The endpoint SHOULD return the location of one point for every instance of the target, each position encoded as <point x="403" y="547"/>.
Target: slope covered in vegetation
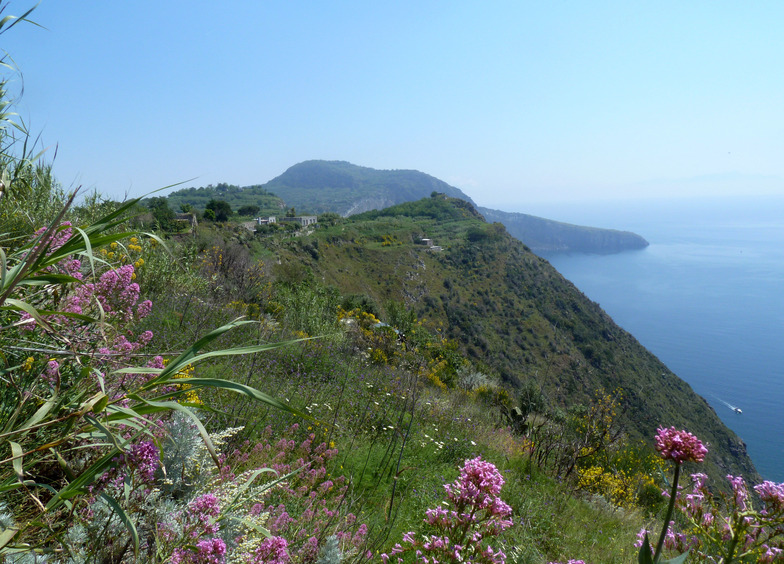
<point x="337" y="446"/>
<point x="346" y="189"/>
<point x="509" y="312"/>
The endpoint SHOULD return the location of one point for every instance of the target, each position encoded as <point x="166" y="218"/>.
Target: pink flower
<point x="772" y="554"/>
<point x="679" y="446"/>
<point x="205" y="508"/>
<point x="208" y="551"/>
<point x="739" y="491"/>
<point x="145" y="457"/>
<point x="273" y="550"/>
<point x="772" y="494"/>
<point x="52" y="372"/>
<point x="477" y="513"/>
<point x="56" y="239"/>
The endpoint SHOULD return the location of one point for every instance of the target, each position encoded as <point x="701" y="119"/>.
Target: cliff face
<point x="546" y="236"/>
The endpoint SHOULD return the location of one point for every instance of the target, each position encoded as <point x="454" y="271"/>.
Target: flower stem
<point x="670" y="508"/>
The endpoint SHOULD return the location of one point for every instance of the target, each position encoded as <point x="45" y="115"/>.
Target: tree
<point x="220" y="208"/>
<point x="161" y="212"/>
<point x="249" y="209"/>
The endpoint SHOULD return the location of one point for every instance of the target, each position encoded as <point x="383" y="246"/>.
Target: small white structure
<point x="265" y="220"/>
<point x="430" y="246"/>
<point x="303" y="220"/>
<point x="190" y="218"/>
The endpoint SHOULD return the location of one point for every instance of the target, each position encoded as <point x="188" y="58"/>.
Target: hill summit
<point x="344" y="188"/>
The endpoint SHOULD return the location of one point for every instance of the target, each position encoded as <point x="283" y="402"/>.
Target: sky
<point x="512" y="102"/>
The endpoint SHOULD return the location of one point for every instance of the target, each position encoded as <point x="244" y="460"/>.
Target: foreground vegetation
<point x="101" y="458"/>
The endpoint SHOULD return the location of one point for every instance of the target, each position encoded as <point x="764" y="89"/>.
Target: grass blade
<point x="17" y="453"/>
<point x="252" y="393"/>
<point x="125" y="519"/>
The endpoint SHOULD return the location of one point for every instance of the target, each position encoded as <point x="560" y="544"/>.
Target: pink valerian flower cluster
<point x="115" y="298"/>
<point x="570" y="562"/>
<point x="724" y="523"/>
<point x="191" y="533"/>
<point x="740" y="493"/>
<point x="674" y="541"/>
<point x="304" y="509"/>
<point x="140" y="462"/>
<point x="145" y="458"/>
<point x="477" y="513"/>
<point x="69" y="265"/>
<point x="118" y="293"/>
<point x="54" y="240"/>
<point x="679" y="446"/>
<point x="206" y="551"/>
<point x="772" y="495"/>
<point x="273" y="550"/>
<point x="204" y="510"/>
<point x="52" y="372"/>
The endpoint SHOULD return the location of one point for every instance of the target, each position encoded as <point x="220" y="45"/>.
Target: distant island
<point x="318" y="186"/>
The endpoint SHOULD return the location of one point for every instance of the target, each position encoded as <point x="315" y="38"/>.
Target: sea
<point x="706" y="297"/>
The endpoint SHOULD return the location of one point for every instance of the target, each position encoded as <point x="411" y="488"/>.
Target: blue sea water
<point x="706" y="297"/>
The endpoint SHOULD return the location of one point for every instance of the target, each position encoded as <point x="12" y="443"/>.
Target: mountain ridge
<point x="320" y="186"/>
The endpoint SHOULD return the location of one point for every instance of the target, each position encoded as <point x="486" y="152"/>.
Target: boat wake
<point x="734" y="408"/>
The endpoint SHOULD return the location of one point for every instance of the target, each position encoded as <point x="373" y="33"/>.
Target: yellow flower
<point x="134" y="240"/>
<point x="139" y="263"/>
<point x="28" y="363"/>
<point x="113" y="245"/>
<point x="190" y="394"/>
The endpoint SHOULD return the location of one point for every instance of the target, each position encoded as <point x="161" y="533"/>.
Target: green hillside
<point x="346" y="189"/>
<point x="510" y="312"/>
<point x="236" y="196"/>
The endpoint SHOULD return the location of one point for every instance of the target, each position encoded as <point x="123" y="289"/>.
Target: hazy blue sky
<point x="510" y="101"/>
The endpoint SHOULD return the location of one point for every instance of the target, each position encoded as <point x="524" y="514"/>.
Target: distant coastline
<point x="549" y="236"/>
<point x="705" y="297"/>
